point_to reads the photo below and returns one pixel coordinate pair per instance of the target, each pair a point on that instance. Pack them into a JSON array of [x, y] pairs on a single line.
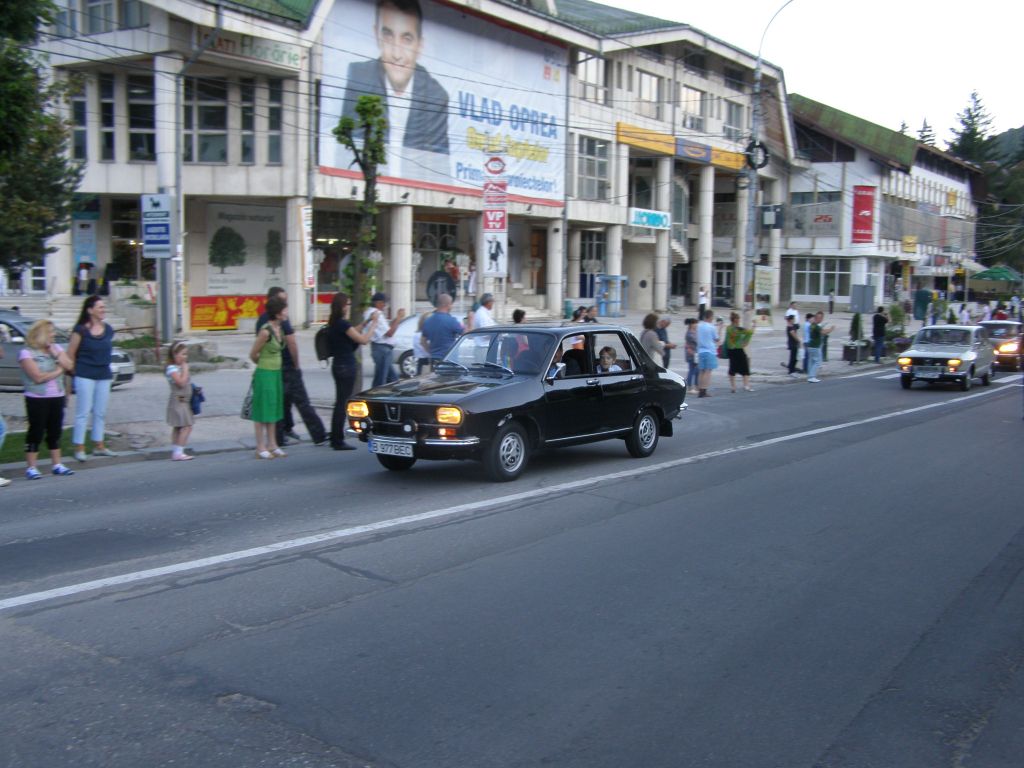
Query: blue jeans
[[90, 395], [813, 362], [879, 349], [3, 430], [383, 372], [691, 373]]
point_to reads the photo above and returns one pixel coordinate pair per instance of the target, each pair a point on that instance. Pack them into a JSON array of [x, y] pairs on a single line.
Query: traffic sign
[[156, 226]]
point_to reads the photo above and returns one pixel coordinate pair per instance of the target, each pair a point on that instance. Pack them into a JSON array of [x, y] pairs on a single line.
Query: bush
[[897, 316], [855, 327]]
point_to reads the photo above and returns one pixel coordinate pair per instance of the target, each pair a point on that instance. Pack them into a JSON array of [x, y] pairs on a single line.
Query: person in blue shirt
[[708, 339], [440, 330]]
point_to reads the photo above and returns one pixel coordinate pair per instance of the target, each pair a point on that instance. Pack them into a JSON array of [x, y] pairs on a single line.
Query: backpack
[[322, 344]]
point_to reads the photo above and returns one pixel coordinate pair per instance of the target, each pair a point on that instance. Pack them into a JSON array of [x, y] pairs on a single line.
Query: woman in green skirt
[[267, 388]]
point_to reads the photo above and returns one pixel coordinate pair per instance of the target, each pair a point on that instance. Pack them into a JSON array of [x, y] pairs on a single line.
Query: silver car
[[14, 329], [957, 353]]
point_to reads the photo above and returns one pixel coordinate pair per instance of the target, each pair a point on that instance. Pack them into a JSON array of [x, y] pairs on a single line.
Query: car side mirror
[[17, 339], [558, 374]]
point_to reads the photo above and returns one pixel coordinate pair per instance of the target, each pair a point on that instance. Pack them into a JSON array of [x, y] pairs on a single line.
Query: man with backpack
[[294, 387]]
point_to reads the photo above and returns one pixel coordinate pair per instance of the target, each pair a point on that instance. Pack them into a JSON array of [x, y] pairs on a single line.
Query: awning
[[999, 272]]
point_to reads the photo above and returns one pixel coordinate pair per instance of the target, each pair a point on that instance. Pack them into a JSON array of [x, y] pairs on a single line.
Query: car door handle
[[592, 382]]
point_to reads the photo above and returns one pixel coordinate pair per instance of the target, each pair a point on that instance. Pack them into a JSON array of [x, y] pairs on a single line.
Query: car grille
[[391, 419], [919, 361]]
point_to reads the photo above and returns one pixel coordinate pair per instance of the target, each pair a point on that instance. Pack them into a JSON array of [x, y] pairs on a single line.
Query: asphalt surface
[[807, 575]]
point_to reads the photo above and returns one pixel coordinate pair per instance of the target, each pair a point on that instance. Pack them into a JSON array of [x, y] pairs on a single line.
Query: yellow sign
[[951, 199], [910, 243], [635, 136], [725, 159]]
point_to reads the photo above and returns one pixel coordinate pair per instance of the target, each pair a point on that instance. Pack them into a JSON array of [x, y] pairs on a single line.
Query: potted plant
[[855, 349]]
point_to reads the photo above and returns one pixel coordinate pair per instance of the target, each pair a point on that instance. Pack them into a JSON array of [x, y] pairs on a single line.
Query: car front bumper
[[430, 448]]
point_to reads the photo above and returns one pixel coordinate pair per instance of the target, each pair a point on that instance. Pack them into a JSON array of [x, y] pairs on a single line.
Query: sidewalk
[[138, 432]]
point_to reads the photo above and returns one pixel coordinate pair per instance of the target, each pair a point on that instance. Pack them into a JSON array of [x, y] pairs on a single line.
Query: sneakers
[[81, 456], [62, 471], [33, 474], [4, 482], [749, 389], [814, 381], [102, 452]]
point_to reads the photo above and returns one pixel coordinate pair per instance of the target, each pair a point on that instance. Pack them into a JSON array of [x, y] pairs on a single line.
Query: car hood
[[939, 350], [439, 388]]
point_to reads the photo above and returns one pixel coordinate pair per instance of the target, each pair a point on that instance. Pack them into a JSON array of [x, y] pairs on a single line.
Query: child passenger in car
[[607, 364]]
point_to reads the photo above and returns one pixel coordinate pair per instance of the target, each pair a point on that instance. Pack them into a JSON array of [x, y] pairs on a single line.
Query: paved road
[[804, 576]]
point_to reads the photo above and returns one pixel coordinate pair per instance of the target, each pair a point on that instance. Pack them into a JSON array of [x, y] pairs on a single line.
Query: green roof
[[596, 18], [292, 10], [891, 146]]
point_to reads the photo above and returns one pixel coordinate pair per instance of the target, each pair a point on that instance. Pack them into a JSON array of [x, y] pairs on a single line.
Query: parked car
[[1007, 337], [404, 357], [14, 329], [503, 392], [958, 353]]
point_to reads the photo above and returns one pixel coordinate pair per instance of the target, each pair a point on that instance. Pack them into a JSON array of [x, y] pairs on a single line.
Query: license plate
[[390, 448], [927, 372]]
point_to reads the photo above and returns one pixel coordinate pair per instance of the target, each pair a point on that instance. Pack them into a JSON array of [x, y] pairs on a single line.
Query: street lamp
[[754, 162]]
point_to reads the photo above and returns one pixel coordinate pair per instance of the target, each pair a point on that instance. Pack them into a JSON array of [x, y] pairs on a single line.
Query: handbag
[[197, 400], [722, 354], [247, 404]]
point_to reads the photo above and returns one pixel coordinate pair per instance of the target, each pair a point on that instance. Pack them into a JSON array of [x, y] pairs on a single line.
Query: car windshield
[[946, 336], [1007, 331], [502, 352]]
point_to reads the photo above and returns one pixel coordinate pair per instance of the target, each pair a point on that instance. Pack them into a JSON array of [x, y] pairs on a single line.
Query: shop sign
[[641, 217]]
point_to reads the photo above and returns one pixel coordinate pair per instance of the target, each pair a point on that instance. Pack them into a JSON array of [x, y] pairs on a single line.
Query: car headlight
[[449, 414], [1010, 347], [357, 409], [953, 362], [905, 361]]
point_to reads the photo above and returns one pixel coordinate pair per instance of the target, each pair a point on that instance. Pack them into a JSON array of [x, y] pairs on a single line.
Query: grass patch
[[13, 449], [137, 342]]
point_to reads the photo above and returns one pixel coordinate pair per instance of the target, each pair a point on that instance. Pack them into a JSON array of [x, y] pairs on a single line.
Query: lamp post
[[751, 170]]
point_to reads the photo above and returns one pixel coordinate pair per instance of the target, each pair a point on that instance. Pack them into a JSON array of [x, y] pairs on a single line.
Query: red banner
[[221, 313], [863, 214]]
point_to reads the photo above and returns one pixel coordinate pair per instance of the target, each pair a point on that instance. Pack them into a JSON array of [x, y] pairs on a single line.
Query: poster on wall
[[863, 214], [495, 222], [457, 89], [245, 249], [83, 240]]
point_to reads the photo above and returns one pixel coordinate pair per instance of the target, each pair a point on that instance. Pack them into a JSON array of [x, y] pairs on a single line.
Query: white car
[[957, 353]]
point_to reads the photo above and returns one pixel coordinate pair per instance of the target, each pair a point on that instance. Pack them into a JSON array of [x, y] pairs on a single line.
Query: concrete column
[[556, 267], [59, 269], [293, 275], [572, 274], [742, 219], [483, 284], [613, 250], [662, 202], [400, 287], [705, 232], [171, 309], [774, 195], [620, 185]]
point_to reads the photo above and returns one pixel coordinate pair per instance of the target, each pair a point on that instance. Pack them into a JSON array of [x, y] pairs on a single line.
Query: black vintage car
[[505, 391], [1007, 337]]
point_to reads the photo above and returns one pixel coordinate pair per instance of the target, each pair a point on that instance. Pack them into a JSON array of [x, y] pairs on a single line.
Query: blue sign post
[[156, 226]]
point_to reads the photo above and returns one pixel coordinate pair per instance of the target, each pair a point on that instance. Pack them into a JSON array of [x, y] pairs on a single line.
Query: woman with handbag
[[43, 366], [344, 340], [179, 402], [267, 385], [91, 347], [736, 340]]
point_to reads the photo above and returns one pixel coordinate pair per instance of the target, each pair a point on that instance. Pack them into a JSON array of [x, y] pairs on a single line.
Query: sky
[[886, 61]]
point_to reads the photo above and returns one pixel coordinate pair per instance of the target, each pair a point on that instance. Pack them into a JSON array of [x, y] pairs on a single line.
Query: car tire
[[643, 437], [407, 365], [396, 463], [507, 454], [965, 382], [906, 381]]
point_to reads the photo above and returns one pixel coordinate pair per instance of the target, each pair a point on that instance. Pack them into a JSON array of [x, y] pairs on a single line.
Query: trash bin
[[567, 309]]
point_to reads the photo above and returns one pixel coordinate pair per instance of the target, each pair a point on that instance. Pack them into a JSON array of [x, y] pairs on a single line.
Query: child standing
[[179, 403]]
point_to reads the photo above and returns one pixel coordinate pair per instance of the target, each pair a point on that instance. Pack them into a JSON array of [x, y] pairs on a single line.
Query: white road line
[[890, 376], [862, 373], [1015, 379], [397, 522]]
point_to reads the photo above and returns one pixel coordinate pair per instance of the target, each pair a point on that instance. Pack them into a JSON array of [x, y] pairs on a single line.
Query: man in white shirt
[[483, 318], [382, 345], [793, 312]]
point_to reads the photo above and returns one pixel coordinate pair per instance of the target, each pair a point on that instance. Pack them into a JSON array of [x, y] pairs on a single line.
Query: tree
[[365, 139], [971, 141], [926, 135], [37, 177], [273, 250], [904, 127], [227, 249]]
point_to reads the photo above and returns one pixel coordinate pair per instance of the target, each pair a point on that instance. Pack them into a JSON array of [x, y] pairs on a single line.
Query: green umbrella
[[1000, 272]]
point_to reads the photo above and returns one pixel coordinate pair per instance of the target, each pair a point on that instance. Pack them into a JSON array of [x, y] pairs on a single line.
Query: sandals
[[264, 455], [278, 453]]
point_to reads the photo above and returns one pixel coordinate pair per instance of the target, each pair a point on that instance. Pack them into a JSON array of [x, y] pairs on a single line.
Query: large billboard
[[245, 249], [457, 90]]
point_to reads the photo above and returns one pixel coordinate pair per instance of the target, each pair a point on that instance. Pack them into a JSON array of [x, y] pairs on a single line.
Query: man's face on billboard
[[399, 40]]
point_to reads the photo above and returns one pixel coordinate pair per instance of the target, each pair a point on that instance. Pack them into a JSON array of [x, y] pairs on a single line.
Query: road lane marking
[[473, 506], [873, 372], [890, 376]]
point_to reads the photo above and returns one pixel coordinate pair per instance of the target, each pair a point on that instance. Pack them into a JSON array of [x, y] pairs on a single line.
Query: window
[[819, 148], [141, 118], [134, 14], [816, 277], [735, 79], [65, 18], [592, 251], [79, 125], [591, 73], [592, 169], [99, 16], [611, 355], [247, 122], [107, 143], [694, 107], [807, 198], [205, 121], [643, 194], [275, 99], [648, 94], [735, 121], [696, 63]]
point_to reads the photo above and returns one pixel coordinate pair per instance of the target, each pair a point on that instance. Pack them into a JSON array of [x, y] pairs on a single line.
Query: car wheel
[[643, 438], [506, 456], [965, 382], [407, 364], [906, 381], [395, 463], [987, 378]]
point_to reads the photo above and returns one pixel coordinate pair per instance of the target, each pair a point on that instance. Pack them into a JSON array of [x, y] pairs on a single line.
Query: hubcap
[[646, 432], [511, 452]]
